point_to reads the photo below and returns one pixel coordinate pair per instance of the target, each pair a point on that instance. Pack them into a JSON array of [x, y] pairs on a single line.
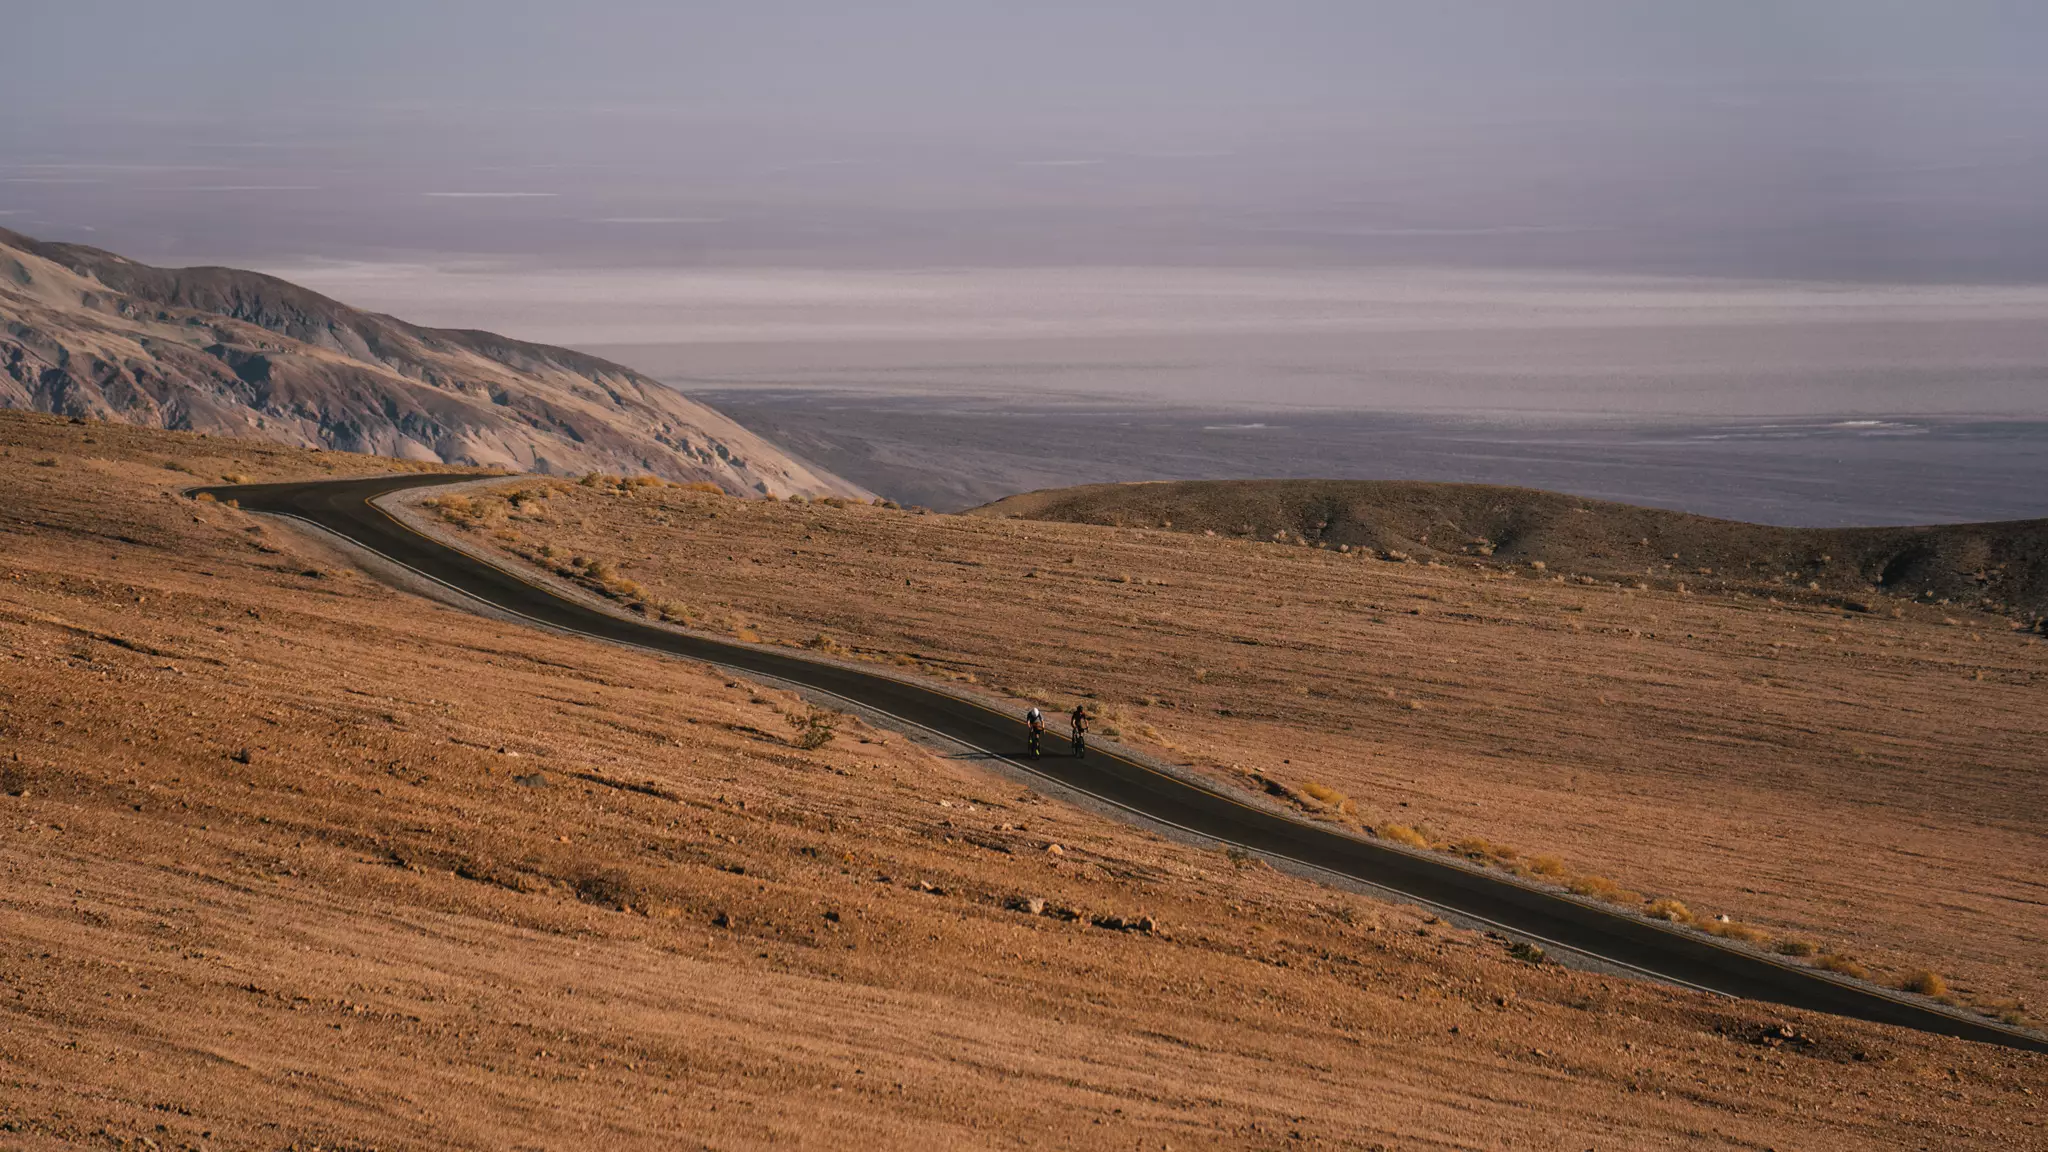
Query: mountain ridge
[[85, 332], [1998, 567]]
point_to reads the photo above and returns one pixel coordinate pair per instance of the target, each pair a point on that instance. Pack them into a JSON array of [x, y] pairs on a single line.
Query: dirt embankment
[[2001, 567], [295, 859]]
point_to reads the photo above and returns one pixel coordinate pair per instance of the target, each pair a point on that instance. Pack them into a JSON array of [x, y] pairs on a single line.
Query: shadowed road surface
[[343, 507]]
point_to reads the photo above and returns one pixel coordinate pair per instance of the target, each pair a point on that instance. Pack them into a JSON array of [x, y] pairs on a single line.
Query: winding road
[[1660, 951]]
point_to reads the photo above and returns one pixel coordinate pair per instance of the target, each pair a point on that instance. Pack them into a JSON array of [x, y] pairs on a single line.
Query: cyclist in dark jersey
[[1080, 721]]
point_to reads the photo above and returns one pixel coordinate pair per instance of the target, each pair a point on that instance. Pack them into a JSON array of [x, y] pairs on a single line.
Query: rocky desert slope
[[295, 859], [1993, 567], [1853, 789], [87, 333]]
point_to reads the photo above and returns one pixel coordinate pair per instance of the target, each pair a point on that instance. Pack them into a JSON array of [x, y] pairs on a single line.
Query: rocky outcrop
[[87, 333]]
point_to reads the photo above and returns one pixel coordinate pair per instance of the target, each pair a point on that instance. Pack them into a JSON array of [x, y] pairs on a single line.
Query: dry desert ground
[[293, 858], [1858, 789]]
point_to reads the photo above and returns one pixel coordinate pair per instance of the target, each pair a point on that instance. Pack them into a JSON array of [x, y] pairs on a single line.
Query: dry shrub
[[235, 478], [204, 498], [1484, 850], [746, 635], [1599, 887], [179, 466], [1793, 946], [1926, 982], [815, 727], [1547, 866], [2012, 1012], [637, 482], [1323, 794], [1669, 909], [1734, 930], [1153, 735], [1403, 834], [1836, 962]]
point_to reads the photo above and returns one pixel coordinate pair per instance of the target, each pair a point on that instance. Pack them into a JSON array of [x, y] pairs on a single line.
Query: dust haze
[[1815, 208]]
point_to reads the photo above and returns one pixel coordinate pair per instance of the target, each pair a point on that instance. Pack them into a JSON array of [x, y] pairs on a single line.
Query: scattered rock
[[1144, 924]]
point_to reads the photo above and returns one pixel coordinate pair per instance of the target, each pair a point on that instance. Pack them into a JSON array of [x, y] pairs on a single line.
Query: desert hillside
[[1857, 790], [295, 859], [88, 333], [1994, 567]]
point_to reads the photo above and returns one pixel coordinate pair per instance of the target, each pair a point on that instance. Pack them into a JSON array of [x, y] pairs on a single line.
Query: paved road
[[1630, 941]]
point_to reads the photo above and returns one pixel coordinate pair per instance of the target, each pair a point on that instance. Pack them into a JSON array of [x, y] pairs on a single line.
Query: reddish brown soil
[[1866, 785], [297, 859]]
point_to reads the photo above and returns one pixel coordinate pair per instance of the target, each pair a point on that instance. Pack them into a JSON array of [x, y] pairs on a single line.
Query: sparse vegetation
[[1601, 888], [1926, 982], [1733, 930], [1284, 672], [1403, 834], [1327, 796], [815, 727], [1836, 962], [1669, 909]]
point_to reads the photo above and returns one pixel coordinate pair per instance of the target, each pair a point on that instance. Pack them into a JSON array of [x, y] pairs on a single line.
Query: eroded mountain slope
[[88, 333]]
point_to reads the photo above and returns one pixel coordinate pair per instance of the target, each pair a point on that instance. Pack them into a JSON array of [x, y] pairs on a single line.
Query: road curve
[[344, 507]]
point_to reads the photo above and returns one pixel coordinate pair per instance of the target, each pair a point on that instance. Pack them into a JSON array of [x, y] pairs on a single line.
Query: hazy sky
[[1801, 138]]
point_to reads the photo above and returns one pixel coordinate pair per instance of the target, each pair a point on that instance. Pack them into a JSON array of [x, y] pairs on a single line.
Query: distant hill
[[2001, 567], [87, 333]]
